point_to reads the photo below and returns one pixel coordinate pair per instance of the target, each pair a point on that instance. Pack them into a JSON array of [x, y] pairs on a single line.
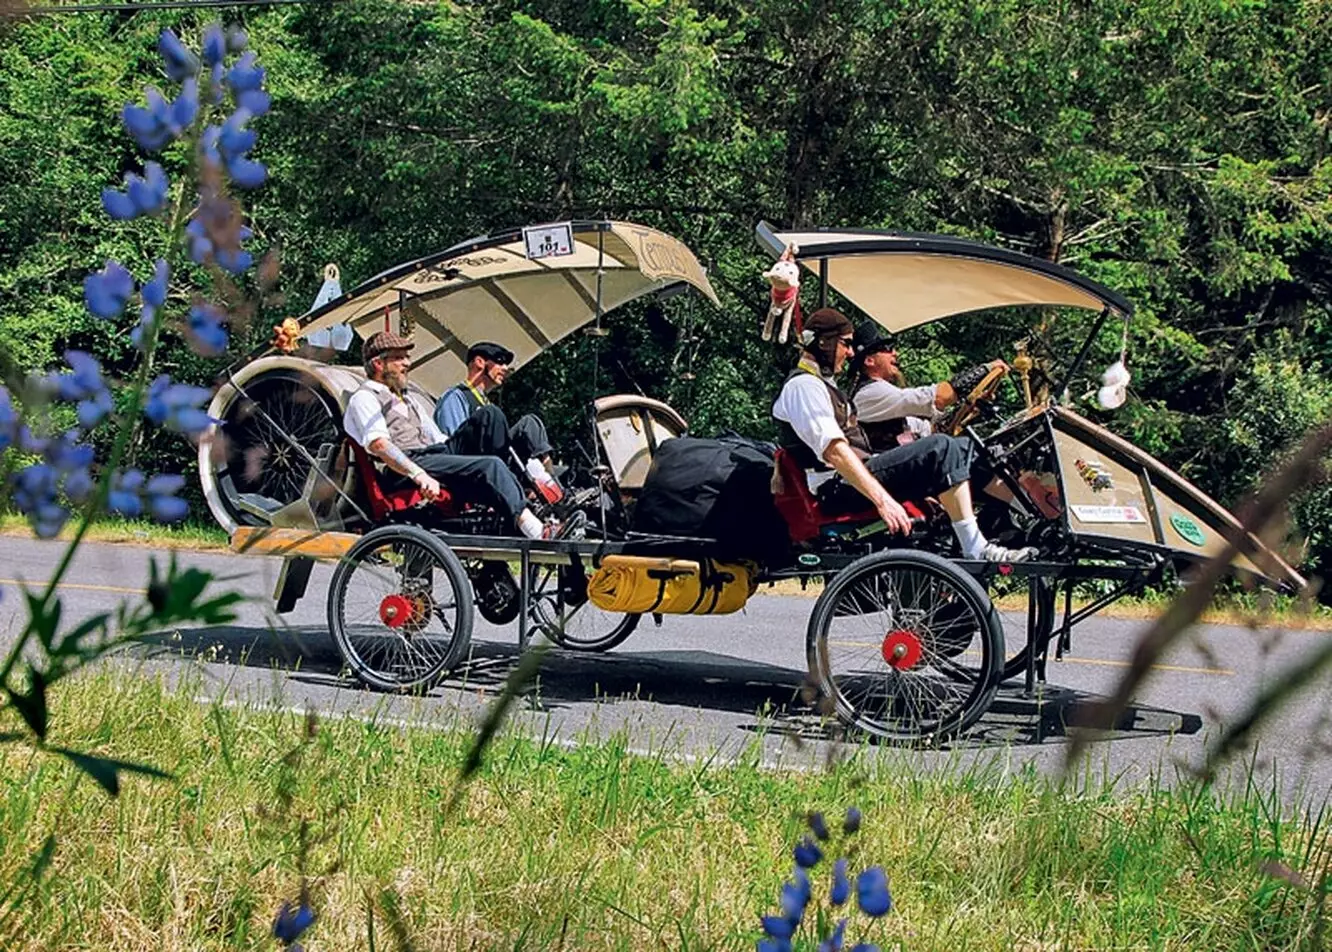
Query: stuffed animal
[[784, 280], [286, 336]]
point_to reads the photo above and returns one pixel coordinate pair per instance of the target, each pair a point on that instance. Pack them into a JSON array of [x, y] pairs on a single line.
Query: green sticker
[[809, 559], [1188, 530]]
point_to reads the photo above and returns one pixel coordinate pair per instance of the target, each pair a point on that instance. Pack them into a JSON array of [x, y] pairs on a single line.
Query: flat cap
[[827, 321], [385, 341], [490, 351]]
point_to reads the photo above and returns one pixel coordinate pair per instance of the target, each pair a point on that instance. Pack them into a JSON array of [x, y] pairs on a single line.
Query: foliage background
[[1175, 150]]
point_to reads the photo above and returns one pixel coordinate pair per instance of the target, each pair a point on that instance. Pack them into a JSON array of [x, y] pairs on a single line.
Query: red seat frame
[[383, 504], [800, 508]]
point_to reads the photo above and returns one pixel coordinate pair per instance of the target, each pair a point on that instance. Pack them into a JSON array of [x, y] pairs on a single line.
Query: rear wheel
[[400, 609], [906, 647]]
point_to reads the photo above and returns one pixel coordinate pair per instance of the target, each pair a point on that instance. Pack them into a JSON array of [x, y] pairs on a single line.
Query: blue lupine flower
[[124, 496], [153, 127], [834, 942], [35, 496], [852, 822], [30, 442], [872, 892], [774, 945], [163, 503], [795, 896], [841, 885], [255, 101], [180, 62], [217, 76], [206, 331], [106, 291], [818, 825], [79, 485], [144, 195], [234, 260], [865, 947], [83, 380], [292, 921], [8, 418], [176, 406], [246, 173], [237, 39], [778, 927], [233, 139], [66, 455], [807, 853], [214, 44], [201, 248], [245, 74], [154, 292]]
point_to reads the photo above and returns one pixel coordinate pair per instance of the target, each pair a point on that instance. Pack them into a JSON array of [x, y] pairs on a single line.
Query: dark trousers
[[487, 433], [924, 467], [472, 478]]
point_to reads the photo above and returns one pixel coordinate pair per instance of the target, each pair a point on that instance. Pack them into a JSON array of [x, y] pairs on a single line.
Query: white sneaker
[[994, 552]]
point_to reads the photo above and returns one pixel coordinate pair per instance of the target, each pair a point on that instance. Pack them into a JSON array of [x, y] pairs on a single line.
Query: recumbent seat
[[382, 504], [799, 507]]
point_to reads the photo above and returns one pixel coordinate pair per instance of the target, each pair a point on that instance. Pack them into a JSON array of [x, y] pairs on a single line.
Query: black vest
[[473, 403], [883, 434], [846, 421]]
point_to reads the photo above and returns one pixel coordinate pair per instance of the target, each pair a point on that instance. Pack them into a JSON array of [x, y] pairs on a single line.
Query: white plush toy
[[1114, 386], [784, 279]]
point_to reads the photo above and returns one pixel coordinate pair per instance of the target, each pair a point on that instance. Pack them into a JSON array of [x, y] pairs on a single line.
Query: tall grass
[[595, 848]]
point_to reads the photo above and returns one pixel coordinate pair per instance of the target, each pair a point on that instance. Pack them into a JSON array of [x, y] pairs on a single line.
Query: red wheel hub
[[396, 610], [901, 649]]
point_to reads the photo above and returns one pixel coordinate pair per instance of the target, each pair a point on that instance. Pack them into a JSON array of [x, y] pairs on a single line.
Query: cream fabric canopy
[[904, 280], [488, 289]]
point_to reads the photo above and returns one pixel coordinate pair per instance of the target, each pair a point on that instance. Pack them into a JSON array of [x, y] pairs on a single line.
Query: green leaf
[[32, 705], [105, 770]]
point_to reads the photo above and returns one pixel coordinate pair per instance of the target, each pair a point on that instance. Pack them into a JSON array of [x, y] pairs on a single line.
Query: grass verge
[[186, 535], [597, 849]]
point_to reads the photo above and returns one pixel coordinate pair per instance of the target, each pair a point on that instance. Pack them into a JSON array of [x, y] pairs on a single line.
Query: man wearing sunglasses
[[474, 425], [819, 428]]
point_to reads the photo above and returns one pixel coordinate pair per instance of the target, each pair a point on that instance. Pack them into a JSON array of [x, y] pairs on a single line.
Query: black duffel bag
[[714, 489]]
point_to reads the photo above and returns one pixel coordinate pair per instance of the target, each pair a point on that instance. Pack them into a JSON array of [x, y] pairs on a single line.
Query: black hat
[[869, 340], [490, 351]]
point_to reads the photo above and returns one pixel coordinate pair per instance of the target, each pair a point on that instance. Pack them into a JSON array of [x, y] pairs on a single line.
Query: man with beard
[[890, 412], [408, 444], [819, 428]]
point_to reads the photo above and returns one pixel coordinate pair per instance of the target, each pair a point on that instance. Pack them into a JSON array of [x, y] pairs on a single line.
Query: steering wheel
[[968, 408]]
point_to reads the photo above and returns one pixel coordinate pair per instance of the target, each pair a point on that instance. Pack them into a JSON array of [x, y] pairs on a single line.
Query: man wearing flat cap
[[819, 428], [392, 429], [473, 424]]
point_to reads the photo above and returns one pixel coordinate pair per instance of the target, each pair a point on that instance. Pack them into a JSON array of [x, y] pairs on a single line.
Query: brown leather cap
[[827, 321], [385, 341]]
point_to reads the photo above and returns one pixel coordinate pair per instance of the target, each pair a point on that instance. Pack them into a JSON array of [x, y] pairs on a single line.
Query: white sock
[[969, 534], [529, 525]]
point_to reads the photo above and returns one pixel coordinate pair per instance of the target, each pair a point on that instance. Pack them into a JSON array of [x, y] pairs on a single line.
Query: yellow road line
[[1103, 662], [80, 586]]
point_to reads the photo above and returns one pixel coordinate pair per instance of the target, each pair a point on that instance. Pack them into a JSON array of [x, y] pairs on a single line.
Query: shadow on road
[[769, 694]]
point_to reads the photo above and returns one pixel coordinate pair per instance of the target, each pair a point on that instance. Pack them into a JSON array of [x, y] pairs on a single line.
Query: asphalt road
[[713, 688]]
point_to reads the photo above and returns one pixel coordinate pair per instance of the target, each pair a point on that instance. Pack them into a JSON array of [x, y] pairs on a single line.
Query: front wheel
[[905, 646], [400, 608], [563, 614]]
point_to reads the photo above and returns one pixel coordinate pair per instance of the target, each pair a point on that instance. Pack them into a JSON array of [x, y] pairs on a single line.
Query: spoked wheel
[[400, 609], [563, 613], [906, 646], [283, 407]]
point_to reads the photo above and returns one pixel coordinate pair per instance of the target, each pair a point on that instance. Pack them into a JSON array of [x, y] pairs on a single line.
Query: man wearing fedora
[[408, 443], [819, 427]]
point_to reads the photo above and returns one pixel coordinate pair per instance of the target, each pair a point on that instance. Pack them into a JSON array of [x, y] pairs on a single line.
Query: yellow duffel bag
[[638, 584]]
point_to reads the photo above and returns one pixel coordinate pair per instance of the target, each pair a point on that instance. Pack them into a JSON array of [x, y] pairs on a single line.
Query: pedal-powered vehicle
[[904, 642]]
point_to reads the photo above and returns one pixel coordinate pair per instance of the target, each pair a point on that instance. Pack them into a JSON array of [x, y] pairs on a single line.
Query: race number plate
[[548, 241], [1130, 514]]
